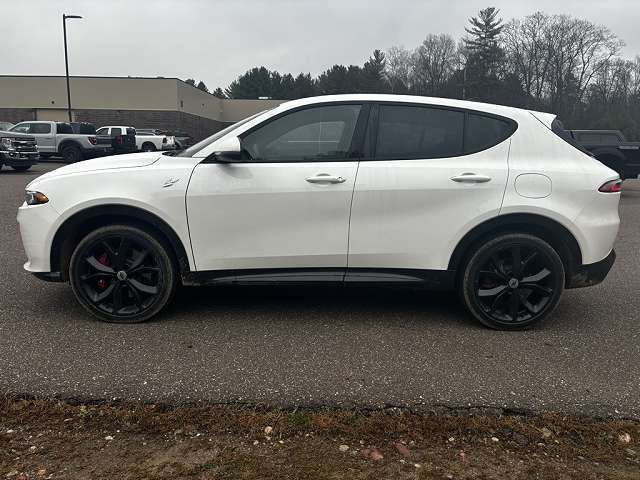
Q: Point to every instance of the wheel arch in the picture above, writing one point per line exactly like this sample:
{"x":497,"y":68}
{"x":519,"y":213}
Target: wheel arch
{"x":551,"y":231}
{"x":73,"y":229}
{"x":70,"y":143}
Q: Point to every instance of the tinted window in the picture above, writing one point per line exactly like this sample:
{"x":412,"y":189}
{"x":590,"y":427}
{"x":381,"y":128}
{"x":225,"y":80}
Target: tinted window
{"x":610,"y":138}
{"x":40,"y":128}
{"x":318,"y":133}
{"x":589,"y":137}
{"x":483,"y":132}
{"x":103,"y":131}
{"x":116,"y":131}
{"x":418,"y":132}
{"x":64,"y":128}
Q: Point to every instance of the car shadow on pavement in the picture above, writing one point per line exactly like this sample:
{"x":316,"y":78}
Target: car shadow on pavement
{"x":350,"y":304}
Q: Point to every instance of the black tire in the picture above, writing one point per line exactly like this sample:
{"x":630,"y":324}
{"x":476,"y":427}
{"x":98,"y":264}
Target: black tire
{"x":71,"y":154}
{"x":148,"y":147}
{"x":492,"y":289}
{"x":122,"y":274}
{"x":22,"y":168}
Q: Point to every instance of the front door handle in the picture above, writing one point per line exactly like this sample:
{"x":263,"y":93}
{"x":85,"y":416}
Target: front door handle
{"x":325,"y":178}
{"x":471,"y":178}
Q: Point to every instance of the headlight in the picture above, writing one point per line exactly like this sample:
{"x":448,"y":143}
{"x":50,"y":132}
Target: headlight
{"x":35,"y":198}
{"x":7,"y":143}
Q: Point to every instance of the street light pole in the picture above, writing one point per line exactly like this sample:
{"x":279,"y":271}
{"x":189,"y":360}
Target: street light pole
{"x":66,"y":59}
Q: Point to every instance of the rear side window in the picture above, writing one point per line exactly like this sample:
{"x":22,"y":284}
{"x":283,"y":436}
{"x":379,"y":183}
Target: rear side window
{"x":406,"y":132}
{"x":40,"y":128}
{"x":483,"y":132}
{"x":64,"y":128}
{"x":116,"y":131}
{"x":131,"y":131}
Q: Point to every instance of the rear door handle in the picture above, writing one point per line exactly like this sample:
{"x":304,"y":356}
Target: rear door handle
{"x":325,"y":178}
{"x":470,"y":178}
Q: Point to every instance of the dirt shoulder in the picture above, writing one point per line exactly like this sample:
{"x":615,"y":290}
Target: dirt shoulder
{"x":53,"y":439}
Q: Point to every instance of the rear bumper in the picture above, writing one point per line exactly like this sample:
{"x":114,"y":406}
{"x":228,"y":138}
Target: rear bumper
{"x":593,"y":273}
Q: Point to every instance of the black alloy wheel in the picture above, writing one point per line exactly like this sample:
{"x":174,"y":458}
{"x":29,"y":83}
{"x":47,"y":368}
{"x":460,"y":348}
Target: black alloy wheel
{"x":122,"y":274}
{"x":71,"y":154}
{"x":513,"y":282}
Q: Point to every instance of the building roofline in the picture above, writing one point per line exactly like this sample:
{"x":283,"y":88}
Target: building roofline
{"x":120,"y":77}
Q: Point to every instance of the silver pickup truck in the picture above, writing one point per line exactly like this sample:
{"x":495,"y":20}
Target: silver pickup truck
{"x":58,"y":138}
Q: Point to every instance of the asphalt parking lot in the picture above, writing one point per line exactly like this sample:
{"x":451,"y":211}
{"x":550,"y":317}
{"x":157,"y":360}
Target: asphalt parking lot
{"x":323,"y":346}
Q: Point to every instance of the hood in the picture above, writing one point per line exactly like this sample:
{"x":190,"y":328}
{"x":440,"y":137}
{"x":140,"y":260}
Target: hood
{"x":130,"y":160}
{"x":6,"y":134}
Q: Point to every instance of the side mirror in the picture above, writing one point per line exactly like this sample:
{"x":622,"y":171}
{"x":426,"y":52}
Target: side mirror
{"x":228,"y":150}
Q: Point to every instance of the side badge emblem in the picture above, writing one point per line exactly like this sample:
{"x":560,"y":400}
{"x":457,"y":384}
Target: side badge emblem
{"x":169,"y":182}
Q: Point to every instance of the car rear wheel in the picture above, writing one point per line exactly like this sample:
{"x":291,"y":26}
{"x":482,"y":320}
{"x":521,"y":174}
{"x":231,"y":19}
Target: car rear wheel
{"x":22,"y":168}
{"x":148,"y":147}
{"x":512,"y":282}
{"x":122,"y":274}
{"x":71,"y":154}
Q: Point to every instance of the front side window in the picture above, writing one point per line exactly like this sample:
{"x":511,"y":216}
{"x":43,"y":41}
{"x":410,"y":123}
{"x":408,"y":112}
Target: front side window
{"x":406,"y":132}
{"x":313,"y":134}
{"x":103,"y":131}
{"x":21,"y":128}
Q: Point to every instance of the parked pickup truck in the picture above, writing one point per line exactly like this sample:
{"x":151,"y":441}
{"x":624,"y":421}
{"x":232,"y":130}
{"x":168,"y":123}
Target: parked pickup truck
{"x":58,"y":138}
{"x":18,"y":151}
{"x":123,"y":138}
{"x":612,"y":149}
{"x":151,"y":140}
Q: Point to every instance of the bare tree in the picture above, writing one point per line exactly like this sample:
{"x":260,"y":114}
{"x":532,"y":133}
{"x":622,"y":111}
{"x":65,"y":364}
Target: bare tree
{"x":433,"y":64}
{"x":398,"y":69}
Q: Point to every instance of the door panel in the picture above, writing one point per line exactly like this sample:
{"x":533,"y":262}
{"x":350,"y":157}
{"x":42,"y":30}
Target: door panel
{"x":267,"y":215}
{"x":45,"y":137}
{"x":411,"y":214}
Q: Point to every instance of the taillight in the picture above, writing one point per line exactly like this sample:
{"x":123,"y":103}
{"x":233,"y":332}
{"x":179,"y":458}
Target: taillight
{"x":164,"y":139}
{"x":614,"y":186}
{"x":92,"y":140}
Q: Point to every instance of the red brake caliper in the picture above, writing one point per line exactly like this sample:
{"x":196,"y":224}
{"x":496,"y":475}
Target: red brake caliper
{"x":104,"y":260}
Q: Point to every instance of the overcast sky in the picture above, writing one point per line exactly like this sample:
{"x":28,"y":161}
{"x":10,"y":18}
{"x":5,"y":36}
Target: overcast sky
{"x":216,"y":40}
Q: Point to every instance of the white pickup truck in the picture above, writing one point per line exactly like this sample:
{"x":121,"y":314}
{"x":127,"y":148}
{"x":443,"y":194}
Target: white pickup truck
{"x":149,"y":141}
{"x":58,"y":138}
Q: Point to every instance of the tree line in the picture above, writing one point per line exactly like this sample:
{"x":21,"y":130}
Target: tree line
{"x":555,"y":63}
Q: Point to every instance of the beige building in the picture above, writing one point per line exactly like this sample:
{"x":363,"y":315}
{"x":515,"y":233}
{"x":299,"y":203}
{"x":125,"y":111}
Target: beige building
{"x":164,"y":103}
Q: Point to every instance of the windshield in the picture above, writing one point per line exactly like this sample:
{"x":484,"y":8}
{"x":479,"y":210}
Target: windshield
{"x":194,"y":149}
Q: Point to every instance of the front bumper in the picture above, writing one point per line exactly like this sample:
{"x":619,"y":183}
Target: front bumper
{"x":591,"y":274}
{"x":18,"y":159}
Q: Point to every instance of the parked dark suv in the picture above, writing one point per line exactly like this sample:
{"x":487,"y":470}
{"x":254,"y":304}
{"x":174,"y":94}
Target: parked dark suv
{"x":612,"y":149}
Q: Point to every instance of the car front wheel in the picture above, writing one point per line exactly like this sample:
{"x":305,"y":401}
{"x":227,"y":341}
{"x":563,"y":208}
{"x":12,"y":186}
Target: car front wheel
{"x":122,"y":274}
{"x":512,"y":282}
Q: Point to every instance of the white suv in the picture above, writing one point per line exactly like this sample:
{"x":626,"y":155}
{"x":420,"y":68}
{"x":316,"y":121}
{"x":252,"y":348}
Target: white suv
{"x":350,"y":189}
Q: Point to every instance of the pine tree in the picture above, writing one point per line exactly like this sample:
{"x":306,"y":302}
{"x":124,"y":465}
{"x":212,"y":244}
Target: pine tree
{"x":373,"y":78}
{"x":202,"y":86}
{"x":484,"y":54}
{"x":218,"y":92}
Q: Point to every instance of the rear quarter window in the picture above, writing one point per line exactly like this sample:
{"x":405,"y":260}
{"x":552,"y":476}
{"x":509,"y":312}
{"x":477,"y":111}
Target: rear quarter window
{"x":482,"y":132}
